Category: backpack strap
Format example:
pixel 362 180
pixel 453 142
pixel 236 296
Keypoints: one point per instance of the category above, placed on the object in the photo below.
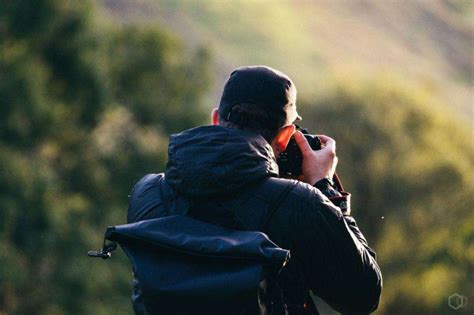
pixel 276 203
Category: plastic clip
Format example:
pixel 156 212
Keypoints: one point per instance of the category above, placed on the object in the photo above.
pixel 105 252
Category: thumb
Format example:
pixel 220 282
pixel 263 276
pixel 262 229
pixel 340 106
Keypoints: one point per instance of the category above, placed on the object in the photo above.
pixel 302 143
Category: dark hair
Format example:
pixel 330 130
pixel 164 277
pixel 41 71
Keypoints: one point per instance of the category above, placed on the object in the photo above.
pixel 247 116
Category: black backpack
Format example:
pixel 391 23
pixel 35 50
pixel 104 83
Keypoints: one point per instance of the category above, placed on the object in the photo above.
pixel 188 266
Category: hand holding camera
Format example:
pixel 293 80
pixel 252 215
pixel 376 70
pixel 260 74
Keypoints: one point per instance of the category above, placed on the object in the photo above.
pixel 317 164
pixel 308 158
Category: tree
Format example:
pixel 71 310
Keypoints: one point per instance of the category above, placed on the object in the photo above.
pixel 409 166
pixel 84 112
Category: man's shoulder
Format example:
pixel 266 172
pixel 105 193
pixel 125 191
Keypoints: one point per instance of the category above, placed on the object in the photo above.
pixel 149 179
pixel 145 183
pixel 302 205
pixel 299 192
pixel 145 195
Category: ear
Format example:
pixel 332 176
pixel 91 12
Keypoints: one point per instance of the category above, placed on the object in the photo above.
pixel 215 117
pixel 283 137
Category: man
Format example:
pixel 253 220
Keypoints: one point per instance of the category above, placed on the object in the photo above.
pixel 226 174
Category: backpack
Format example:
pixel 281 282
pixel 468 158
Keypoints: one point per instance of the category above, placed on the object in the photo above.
pixel 188 266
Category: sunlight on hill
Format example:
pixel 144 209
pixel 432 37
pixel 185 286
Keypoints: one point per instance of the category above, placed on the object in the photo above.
pixel 427 42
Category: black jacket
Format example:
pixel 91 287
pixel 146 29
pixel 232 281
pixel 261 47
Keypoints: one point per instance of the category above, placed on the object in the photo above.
pixel 229 177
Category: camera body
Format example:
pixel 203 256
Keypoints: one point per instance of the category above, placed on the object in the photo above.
pixel 290 161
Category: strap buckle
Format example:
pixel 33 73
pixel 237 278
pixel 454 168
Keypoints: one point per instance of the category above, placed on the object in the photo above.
pixel 105 252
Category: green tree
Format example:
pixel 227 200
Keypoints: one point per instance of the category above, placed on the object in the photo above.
pixel 409 167
pixel 85 110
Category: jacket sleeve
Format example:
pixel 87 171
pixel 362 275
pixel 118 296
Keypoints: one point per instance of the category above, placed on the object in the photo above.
pixel 338 264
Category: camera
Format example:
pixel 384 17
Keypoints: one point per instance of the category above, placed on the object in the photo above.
pixel 290 161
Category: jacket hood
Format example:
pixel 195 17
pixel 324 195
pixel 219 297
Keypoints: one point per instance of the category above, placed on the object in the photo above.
pixel 214 160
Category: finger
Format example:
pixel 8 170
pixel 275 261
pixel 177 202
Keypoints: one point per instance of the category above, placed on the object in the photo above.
pixel 302 143
pixel 324 138
pixel 328 142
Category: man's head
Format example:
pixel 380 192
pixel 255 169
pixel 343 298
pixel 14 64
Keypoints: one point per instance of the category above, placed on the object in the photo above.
pixel 259 99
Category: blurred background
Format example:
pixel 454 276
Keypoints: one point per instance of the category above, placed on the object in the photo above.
pixel 91 90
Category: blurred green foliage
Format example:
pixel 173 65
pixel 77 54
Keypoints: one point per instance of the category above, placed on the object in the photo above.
pixel 85 111
pixel 409 168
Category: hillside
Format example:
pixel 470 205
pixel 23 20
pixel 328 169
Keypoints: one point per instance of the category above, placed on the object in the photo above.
pixel 428 43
